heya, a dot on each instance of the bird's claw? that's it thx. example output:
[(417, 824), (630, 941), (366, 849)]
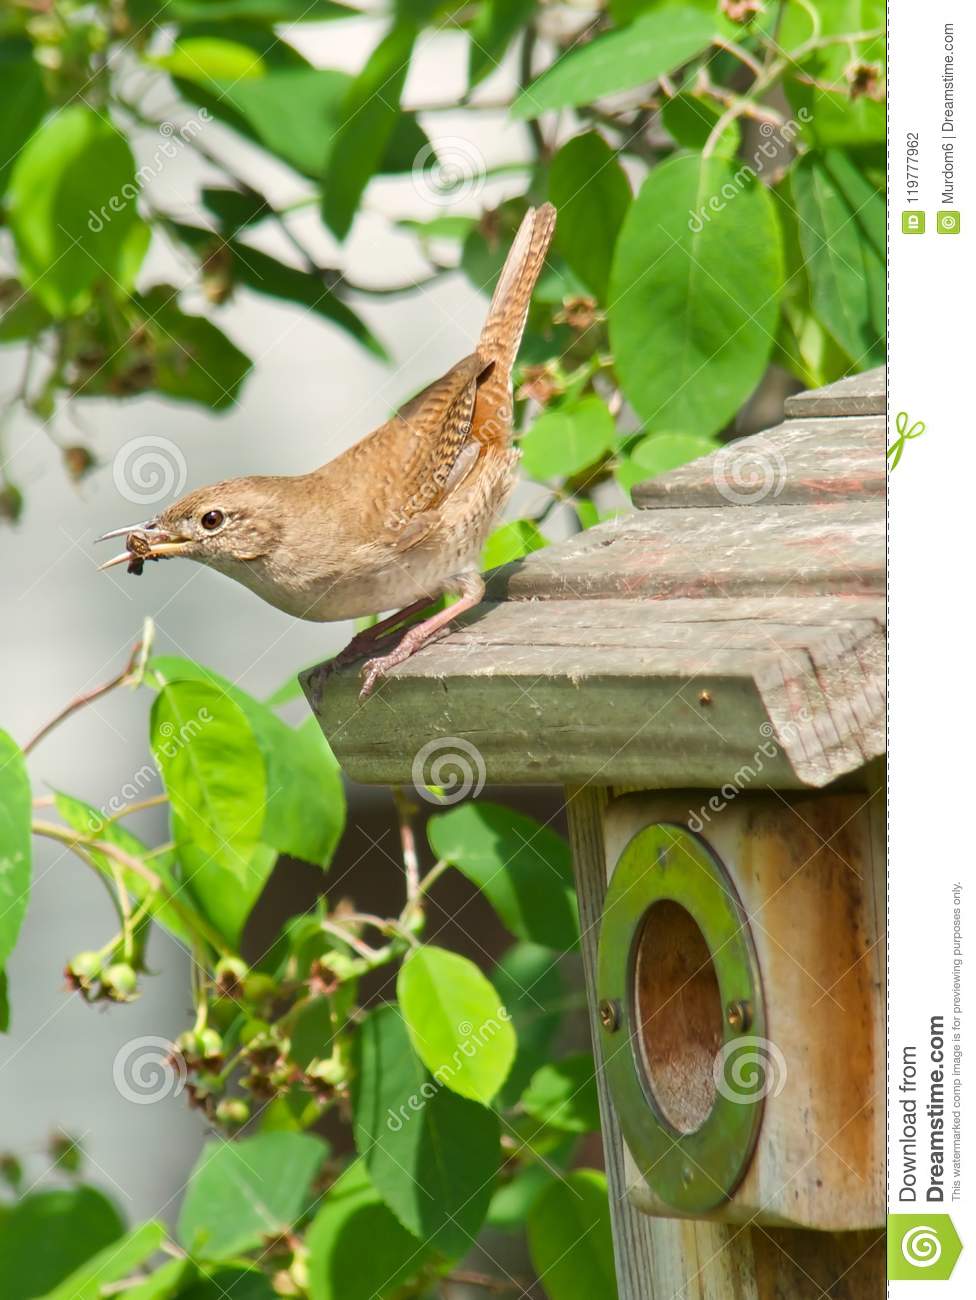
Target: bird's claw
[(373, 670)]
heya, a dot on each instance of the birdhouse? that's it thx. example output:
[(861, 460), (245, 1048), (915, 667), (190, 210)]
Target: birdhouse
[(705, 676)]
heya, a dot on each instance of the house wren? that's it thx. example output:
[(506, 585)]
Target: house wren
[(396, 521)]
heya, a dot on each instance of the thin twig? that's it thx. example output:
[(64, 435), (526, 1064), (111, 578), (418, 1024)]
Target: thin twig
[(406, 810), (86, 698)]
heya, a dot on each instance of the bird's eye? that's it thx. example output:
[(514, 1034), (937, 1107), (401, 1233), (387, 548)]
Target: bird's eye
[(212, 519)]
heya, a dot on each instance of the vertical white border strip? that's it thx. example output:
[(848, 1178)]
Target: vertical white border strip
[(932, 548)]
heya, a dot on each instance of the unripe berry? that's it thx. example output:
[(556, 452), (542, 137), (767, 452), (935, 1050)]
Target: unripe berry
[(119, 982), (233, 1112), (258, 988), (83, 969)]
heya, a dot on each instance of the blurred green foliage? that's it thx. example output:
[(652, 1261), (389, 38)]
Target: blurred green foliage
[(718, 170)]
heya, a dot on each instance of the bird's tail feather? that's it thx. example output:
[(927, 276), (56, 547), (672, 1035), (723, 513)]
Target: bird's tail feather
[(505, 323)]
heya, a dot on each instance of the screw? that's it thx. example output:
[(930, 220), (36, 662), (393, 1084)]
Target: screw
[(610, 1014), (704, 697), (738, 1015)]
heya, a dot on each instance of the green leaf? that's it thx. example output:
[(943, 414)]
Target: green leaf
[(22, 100), (89, 820), (492, 30), (47, 1235), (257, 11), (431, 1154), (212, 768), (15, 843), (694, 293), (563, 1095), (231, 1284), (529, 982), (456, 1021), (592, 193), (510, 1205), (834, 118), (357, 1248), (369, 114), (235, 209), (658, 42), (209, 60), (167, 1282), (72, 199), (569, 1238), (523, 868), (241, 1193), (845, 269), (264, 274), (568, 439), (691, 118), (226, 896), (306, 805), (23, 316), (111, 1263), (660, 452), (193, 360), (511, 541)]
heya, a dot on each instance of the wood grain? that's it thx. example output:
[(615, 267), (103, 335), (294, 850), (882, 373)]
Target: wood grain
[(863, 394), (659, 693)]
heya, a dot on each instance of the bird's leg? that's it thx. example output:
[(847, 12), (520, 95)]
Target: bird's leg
[(469, 587), (366, 640)]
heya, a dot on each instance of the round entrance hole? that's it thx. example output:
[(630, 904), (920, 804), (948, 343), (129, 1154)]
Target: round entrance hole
[(678, 1014)]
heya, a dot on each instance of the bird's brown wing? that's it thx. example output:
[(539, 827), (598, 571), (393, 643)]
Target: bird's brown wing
[(420, 456)]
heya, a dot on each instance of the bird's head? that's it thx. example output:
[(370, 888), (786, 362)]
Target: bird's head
[(226, 525)]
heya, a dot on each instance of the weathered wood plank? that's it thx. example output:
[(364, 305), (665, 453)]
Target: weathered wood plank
[(625, 691), (864, 394), (801, 461), (633, 1232), (735, 551)]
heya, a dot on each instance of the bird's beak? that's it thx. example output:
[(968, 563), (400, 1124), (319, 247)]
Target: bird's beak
[(145, 541)]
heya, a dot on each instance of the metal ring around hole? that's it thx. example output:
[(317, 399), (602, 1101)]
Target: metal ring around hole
[(690, 1171)]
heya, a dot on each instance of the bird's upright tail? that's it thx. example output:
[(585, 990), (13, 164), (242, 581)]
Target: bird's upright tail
[(505, 323)]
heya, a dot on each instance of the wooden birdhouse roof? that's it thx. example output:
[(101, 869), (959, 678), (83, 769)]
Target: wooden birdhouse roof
[(734, 621)]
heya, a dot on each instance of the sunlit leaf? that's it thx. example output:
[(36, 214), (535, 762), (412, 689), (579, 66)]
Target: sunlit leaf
[(694, 293), (457, 1023), (656, 43), (15, 843)]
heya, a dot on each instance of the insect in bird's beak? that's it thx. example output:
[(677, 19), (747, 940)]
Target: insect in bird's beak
[(145, 541)]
